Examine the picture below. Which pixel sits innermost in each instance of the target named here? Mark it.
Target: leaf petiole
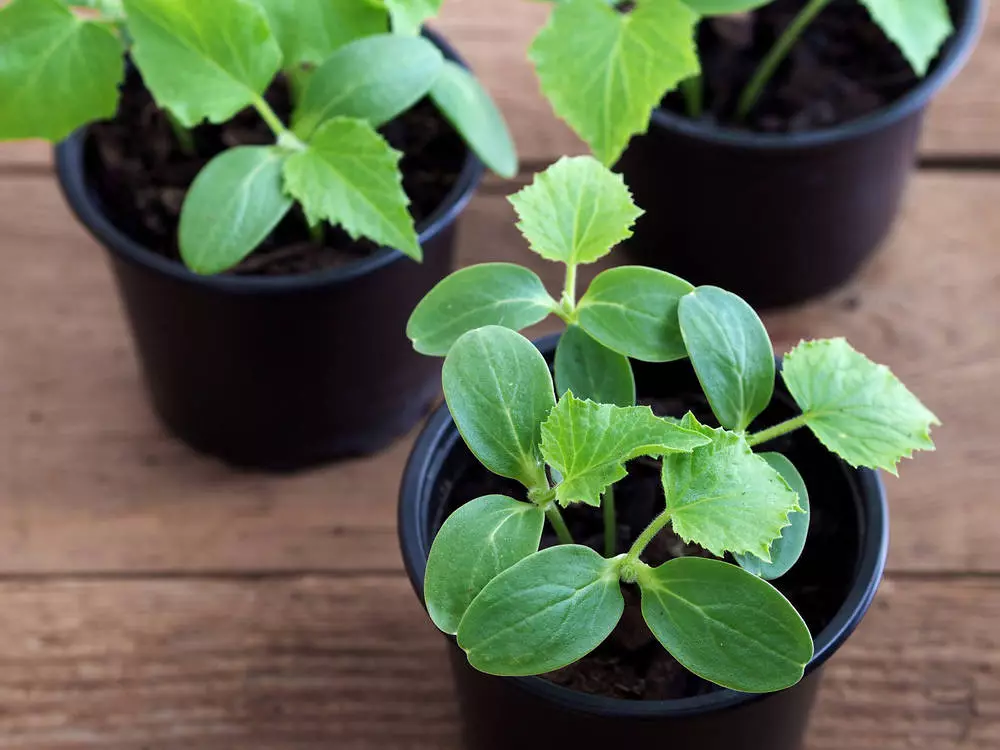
(610, 523)
(693, 90)
(286, 138)
(630, 563)
(783, 428)
(558, 524)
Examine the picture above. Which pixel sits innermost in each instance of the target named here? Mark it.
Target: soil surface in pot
(631, 663)
(842, 68)
(142, 176)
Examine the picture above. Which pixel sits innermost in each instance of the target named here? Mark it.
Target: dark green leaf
(203, 60)
(592, 371)
(501, 294)
(479, 541)
(463, 100)
(57, 72)
(633, 310)
(731, 353)
(499, 390)
(725, 625)
(232, 206)
(309, 31)
(549, 610)
(786, 550)
(409, 15)
(373, 79)
(723, 7)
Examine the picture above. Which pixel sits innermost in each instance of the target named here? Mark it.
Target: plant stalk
(649, 533)
(610, 523)
(185, 138)
(765, 71)
(286, 138)
(783, 428)
(569, 290)
(693, 90)
(558, 524)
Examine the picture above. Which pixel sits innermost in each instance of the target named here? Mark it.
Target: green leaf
(575, 211)
(469, 108)
(373, 79)
(723, 7)
(309, 31)
(786, 550)
(499, 390)
(479, 541)
(501, 294)
(350, 176)
(633, 310)
(203, 60)
(858, 409)
(592, 371)
(113, 9)
(549, 610)
(725, 625)
(731, 353)
(724, 497)
(918, 27)
(588, 444)
(604, 72)
(57, 72)
(409, 15)
(234, 203)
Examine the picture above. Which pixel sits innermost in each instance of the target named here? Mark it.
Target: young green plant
(605, 66)
(519, 610)
(60, 69)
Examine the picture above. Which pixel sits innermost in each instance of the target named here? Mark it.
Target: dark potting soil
(842, 68)
(142, 176)
(631, 664)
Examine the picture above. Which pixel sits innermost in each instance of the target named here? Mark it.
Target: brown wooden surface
(152, 599)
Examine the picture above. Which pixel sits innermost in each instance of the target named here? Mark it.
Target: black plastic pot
(779, 218)
(278, 372)
(534, 714)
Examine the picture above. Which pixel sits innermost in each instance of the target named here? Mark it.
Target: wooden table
(151, 598)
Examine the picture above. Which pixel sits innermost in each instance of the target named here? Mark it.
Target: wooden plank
(353, 663)
(90, 482)
(494, 37)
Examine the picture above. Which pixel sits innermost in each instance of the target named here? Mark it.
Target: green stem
(693, 90)
(778, 430)
(569, 290)
(561, 529)
(610, 523)
(317, 233)
(286, 138)
(185, 138)
(765, 71)
(648, 534)
(298, 78)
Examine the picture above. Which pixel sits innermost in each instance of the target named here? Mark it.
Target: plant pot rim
(69, 156)
(953, 57)
(436, 441)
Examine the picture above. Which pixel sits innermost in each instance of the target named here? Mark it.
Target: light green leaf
(786, 550)
(469, 108)
(725, 625)
(350, 176)
(501, 294)
(113, 9)
(604, 72)
(203, 60)
(592, 371)
(549, 610)
(588, 444)
(409, 15)
(858, 409)
(479, 541)
(633, 310)
(234, 203)
(309, 31)
(499, 390)
(724, 497)
(731, 353)
(918, 27)
(723, 7)
(373, 79)
(575, 211)
(57, 72)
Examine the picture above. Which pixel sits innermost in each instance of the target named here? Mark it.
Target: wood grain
(335, 662)
(494, 36)
(90, 482)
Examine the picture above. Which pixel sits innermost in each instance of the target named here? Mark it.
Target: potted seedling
(781, 133)
(615, 574)
(259, 170)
